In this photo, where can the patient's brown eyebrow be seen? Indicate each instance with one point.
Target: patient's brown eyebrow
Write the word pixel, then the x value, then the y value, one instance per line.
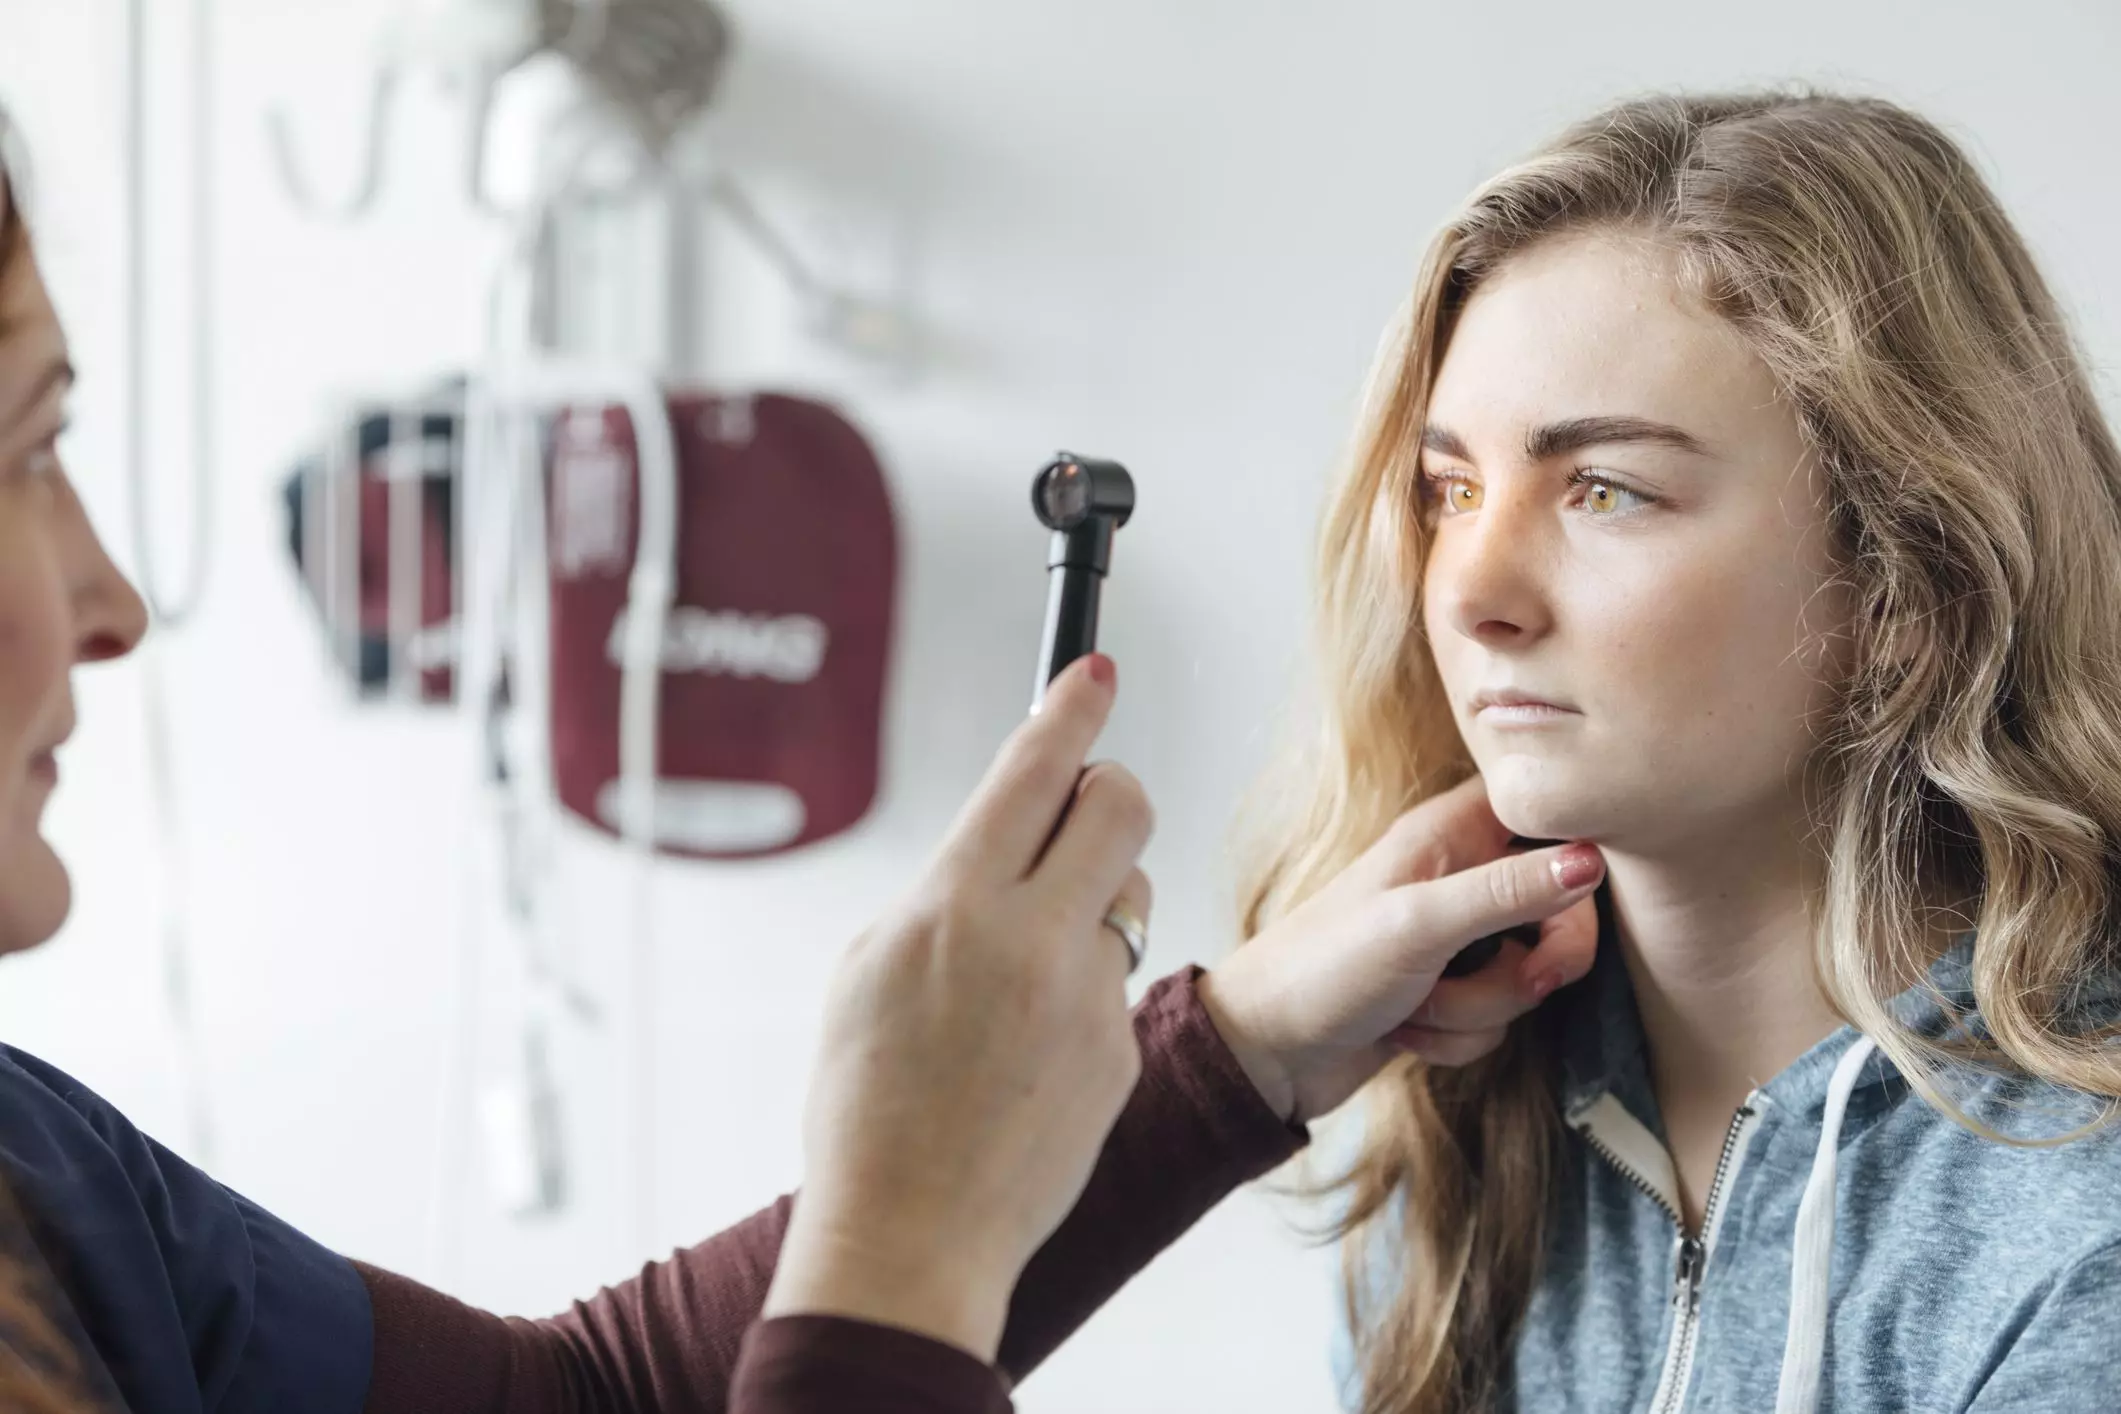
pixel 1555 438
pixel 1558 437
pixel 1444 442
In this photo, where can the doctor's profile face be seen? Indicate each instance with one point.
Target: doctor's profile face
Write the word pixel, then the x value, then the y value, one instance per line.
pixel 62 602
pixel 1628 589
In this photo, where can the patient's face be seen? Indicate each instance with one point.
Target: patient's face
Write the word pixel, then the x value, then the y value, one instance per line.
pixel 1661 579
pixel 61 602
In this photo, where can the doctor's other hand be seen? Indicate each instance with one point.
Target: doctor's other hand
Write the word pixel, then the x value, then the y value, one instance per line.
pixel 977 1048
pixel 1323 997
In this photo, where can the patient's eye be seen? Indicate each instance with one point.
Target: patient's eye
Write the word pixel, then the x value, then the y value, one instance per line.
pixel 1604 496
pixel 1448 493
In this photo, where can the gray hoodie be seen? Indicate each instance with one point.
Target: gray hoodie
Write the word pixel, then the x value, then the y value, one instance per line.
pixel 1860 1250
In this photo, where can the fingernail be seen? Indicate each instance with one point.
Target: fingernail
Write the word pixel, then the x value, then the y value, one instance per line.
pixel 1543 984
pixel 1103 670
pixel 1578 866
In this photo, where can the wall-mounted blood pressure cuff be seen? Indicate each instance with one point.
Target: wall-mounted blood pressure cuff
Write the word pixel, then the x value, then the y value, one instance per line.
pixel 777 644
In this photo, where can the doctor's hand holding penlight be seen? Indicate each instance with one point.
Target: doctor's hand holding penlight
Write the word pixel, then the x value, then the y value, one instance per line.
pixel 977 1049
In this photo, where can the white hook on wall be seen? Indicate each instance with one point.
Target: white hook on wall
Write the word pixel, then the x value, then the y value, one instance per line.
pixel 292 170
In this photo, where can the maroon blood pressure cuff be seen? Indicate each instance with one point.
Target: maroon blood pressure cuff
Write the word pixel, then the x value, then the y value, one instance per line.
pixel 775 654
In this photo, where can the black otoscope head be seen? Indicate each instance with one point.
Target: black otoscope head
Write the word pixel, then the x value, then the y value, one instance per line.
pixel 1073 490
pixel 1082 500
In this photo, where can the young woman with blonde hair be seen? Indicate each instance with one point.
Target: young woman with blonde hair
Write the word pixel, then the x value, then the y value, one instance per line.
pixel 1732 496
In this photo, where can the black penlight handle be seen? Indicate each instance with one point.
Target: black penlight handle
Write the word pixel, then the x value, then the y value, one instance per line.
pixel 1077 564
pixel 1071 620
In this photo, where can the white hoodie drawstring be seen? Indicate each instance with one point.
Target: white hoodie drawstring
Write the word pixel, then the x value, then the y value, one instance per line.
pixel 1812 1251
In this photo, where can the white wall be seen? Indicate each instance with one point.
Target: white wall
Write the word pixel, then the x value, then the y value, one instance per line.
pixel 1167 231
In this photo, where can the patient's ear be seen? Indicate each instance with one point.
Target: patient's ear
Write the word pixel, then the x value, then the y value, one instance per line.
pixel 1905 643
pixel 1897 641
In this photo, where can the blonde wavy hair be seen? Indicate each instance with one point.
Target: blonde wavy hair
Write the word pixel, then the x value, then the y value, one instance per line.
pixel 1974 496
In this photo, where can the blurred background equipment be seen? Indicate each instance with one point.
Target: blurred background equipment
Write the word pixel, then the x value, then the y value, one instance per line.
pixel 681 599
pixel 688 631
pixel 655 63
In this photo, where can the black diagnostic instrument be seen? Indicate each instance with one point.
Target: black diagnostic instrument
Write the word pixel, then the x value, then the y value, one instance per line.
pixel 1083 501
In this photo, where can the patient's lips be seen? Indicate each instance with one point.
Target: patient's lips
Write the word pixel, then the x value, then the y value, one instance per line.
pixel 1506 707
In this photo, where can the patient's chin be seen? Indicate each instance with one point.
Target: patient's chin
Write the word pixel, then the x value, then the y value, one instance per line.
pixel 1542 820
pixel 1531 798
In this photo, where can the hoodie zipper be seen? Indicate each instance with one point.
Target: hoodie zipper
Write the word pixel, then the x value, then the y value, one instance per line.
pixel 1691 1253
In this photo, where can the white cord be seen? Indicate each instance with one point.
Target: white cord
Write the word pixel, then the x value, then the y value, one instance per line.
pixel 649 597
pixel 1812 1249
pixel 650 592
pixel 405 494
pixel 171 612
pixel 517 390
pixel 473 678
pixel 188 1068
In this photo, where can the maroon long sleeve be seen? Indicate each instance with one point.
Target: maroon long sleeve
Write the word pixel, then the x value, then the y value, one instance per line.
pixel 684 1337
